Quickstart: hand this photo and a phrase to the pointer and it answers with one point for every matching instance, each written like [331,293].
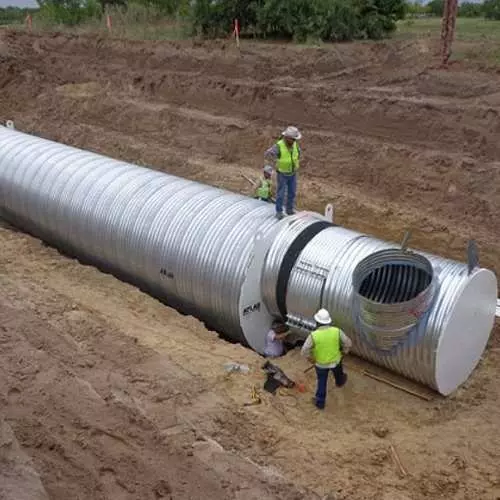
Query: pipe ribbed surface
[188,242]
[442,348]
[417,314]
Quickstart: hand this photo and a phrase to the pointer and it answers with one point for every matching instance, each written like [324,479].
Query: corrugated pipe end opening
[393,289]
[392,276]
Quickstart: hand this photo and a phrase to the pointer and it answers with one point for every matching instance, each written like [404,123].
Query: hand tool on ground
[256,400]
[275,378]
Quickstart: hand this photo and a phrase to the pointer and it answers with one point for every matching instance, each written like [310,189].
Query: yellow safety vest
[264,190]
[288,162]
[326,345]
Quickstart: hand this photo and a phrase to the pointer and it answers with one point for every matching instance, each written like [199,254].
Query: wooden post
[29,22]
[448,23]
[237,32]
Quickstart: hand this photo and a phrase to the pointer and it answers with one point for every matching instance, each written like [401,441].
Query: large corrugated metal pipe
[227,260]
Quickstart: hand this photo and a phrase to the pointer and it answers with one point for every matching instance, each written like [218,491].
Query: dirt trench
[109,394]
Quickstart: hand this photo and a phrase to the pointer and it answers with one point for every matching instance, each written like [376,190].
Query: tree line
[14,15]
[298,20]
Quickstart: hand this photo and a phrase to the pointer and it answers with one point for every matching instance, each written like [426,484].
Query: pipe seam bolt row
[226,259]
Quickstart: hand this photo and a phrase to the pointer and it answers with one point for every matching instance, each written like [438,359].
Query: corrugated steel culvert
[224,258]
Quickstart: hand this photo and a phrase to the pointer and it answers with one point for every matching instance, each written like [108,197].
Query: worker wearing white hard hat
[286,154]
[325,347]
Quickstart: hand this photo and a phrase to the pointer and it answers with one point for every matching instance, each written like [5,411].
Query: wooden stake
[397,386]
[237,32]
[397,460]
[29,22]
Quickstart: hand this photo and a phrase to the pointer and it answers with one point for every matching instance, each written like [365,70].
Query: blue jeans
[286,183]
[322,376]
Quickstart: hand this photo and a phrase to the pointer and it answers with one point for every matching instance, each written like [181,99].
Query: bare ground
[106,393]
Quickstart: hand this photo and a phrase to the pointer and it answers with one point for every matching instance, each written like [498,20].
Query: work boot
[315,403]
[280,215]
[290,212]
[344,381]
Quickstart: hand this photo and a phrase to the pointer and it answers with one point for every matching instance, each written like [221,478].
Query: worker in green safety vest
[264,187]
[325,347]
[286,153]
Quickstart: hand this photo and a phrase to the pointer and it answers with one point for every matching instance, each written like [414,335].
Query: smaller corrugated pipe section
[417,314]
[393,290]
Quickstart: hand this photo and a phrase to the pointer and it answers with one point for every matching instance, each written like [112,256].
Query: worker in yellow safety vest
[325,347]
[264,187]
[286,153]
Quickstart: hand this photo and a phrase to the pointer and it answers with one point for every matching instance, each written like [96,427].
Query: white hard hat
[323,317]
[268,169]
[292,133]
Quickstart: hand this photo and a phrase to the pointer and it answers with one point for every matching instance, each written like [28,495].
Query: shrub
[69,12]
[168,7]
[416,9]
[470,9]
[436,7]
[296,19]
[491,9]
[215,18]
[342,22]
[14,15]
[300,19]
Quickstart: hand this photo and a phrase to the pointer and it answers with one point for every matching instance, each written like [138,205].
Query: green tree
[295,19]
[491,9]
[215,18]
[342,22]
[69,12]
[300,19]
[11,15]
[416,8]
[168,7]
[470,9]
[436,7]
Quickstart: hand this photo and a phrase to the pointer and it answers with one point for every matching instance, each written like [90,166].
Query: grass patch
[467,30]
[137,22]
[476,39]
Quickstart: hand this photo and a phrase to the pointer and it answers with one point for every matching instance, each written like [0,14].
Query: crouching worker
[325,347]
[264,187]
[275,345]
